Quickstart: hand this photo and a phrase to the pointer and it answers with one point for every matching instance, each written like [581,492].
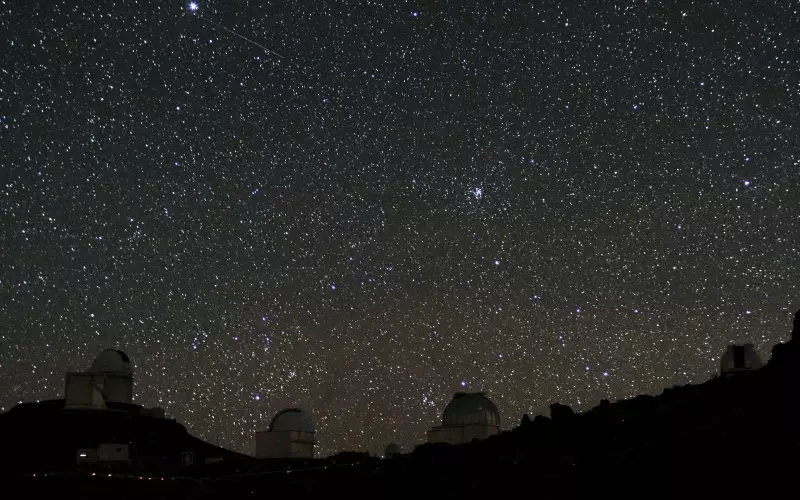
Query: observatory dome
[112,361]
[292,419]
[470,409]
[740,358]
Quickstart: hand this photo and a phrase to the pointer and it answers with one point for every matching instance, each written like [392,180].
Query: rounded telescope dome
[292,419]
[112,361]
[470,409]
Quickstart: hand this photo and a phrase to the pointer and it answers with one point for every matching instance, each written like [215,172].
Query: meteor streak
[194,7]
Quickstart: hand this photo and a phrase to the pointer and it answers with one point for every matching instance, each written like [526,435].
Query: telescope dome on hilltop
[112,361]
[290,435]
[467,417]
[470,409]
[292,419]
[108,381]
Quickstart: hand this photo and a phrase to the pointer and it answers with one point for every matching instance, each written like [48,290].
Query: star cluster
[547,201]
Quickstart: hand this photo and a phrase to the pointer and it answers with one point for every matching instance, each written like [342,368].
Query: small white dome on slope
[292,419]
[112,361]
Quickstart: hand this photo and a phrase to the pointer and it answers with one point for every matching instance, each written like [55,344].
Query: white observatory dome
[292,419]
[112,361]
[739,358]
[470,409]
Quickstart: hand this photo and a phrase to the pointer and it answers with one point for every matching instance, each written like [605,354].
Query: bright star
[193,6]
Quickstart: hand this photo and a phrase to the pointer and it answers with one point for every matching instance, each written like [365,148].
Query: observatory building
[739,358]
[108,380]
[97,427]
[290,435]
[467,417]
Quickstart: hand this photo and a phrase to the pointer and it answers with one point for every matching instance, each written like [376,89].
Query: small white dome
[470,409]
[292,419]
[739,358]
[112,361]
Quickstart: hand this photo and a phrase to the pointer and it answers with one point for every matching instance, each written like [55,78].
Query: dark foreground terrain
[731,437]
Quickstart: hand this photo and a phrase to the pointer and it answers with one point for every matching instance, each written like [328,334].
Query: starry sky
[360,206]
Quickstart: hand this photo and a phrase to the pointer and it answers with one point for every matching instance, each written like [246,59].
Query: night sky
[360,207]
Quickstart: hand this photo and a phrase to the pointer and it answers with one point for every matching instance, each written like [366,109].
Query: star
[293,225]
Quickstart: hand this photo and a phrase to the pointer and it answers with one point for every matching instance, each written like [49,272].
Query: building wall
[271,445]
[302,449]
[113,452]
[83,391]
[118,388]
[286,444]
[105,452]
[452,435]
[92,390]
[86,456]
[471,432]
